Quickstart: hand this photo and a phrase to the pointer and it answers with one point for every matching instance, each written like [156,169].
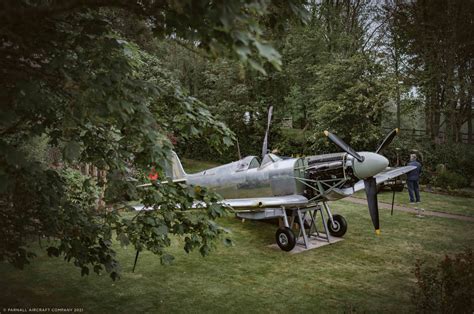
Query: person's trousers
[413,190]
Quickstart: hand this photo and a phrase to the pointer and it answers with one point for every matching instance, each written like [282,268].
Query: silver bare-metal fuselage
[246,178]
[317,178]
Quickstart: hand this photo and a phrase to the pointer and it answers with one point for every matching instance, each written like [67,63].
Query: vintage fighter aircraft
[276,186]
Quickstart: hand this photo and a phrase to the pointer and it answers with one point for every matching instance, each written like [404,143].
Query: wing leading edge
[250,203]
[261,202]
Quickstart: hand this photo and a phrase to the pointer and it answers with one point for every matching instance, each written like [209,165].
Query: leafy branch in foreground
[71,76]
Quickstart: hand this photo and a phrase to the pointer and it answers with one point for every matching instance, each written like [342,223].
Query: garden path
[426,212]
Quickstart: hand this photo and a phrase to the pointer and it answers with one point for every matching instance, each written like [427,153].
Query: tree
[72,71]
[437,39]
[350,99]
[336,75]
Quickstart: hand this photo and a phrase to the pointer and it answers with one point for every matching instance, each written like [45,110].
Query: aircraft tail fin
[174,170]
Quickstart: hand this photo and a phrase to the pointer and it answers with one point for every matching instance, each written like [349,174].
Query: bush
[456,158]
[450,180]
[447,288]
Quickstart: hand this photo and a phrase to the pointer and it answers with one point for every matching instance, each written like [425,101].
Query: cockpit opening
[248,162]
[269,158]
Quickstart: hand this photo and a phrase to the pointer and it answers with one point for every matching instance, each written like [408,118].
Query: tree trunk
[397,89]
[469,125]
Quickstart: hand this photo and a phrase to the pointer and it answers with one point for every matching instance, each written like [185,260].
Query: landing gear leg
[337,224]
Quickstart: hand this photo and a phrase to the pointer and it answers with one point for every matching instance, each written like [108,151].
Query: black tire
[341,225]
[285,238]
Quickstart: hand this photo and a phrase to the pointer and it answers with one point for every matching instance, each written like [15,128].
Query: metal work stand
[300,215]
[310,215]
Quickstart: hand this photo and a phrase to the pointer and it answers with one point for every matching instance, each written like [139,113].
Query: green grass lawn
[363,273]
[430,201]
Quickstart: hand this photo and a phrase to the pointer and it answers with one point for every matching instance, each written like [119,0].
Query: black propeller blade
[371,193]
[387,140]
[336,140]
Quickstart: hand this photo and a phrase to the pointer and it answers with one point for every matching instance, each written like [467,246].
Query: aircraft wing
[249,203]
[380,178]
[260,202]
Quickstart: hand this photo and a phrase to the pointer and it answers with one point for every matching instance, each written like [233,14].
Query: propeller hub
[373,164]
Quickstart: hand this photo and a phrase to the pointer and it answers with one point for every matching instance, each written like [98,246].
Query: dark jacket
[415,173]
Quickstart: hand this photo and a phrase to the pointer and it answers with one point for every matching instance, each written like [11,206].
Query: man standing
[413,178]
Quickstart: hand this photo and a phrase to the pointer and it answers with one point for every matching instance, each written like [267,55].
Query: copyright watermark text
[42,310]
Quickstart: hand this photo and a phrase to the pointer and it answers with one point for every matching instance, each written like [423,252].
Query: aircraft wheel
[340,224]
[285,238]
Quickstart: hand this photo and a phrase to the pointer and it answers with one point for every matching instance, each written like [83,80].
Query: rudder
[175,170]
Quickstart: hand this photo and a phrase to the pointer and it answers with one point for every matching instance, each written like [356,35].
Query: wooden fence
[420,134]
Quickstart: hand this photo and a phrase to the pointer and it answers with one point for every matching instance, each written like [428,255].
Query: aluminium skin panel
[272,179]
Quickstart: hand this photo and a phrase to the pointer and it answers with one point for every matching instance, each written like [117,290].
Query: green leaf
[150,221]
[72,150]
[243,52]
[257,66]
[269,53]
[205,250]
[227,141]
[123,238]
[161,230]
[167,259]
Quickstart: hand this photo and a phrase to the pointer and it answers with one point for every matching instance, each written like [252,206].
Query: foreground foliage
[76,74]
[448,287]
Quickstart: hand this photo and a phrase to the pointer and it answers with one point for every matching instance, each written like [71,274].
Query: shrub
[446,288]
[450,180]
[456,158]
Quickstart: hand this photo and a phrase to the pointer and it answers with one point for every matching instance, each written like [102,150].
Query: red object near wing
[153,175]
